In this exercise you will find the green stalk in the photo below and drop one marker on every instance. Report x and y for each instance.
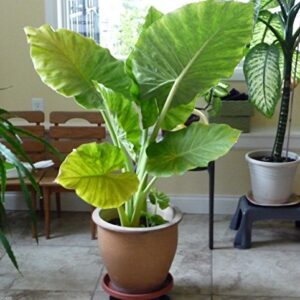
(123, 213)
(114, 137)
(139, 202)
(140, 198)
(123, 217)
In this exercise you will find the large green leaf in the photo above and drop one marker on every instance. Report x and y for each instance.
(68, 62)
(91, 172)
(262, 72)
(124, 117)
(153, 15)
(149, 110)
(262, 34)
(191, 147)
(195, 46)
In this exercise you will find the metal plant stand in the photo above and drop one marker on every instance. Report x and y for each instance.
(211, 176)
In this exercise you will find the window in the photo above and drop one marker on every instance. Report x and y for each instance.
(82, 16)
(114, 24)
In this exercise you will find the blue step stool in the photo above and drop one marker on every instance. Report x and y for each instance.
(247, 213)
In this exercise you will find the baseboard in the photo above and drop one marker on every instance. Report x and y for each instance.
(197, 204)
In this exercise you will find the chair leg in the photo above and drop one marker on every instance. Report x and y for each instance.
(58, 204)
(41, 207)
(47, 211)
(93, 225)
(33, 226)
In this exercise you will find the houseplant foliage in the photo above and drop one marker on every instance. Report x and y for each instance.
(270, 66)
(12, 154)
(177, 58)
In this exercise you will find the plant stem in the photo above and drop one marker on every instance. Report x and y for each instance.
(116, 142)
(150, 184)
(128, 211)
(284, 110)
(123, 217)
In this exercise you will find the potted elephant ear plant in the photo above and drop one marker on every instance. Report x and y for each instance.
(177, 58)
(272, 71)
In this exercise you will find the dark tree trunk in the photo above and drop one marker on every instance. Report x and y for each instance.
(284, 110)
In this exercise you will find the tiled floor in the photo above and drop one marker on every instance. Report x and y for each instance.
(68, 265)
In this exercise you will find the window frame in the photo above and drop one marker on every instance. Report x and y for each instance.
(55, 8)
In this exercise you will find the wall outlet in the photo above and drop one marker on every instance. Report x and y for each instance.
(37, 104)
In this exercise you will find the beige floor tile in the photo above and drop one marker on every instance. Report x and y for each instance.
(193, 232)
(256, 273)
(42, 295)
(52, 269)
(191, 271)
(252, 298)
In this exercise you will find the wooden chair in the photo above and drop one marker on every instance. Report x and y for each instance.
(31, 121)
(65, 138)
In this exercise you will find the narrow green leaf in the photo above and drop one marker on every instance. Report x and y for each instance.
(14, 142)
(3, 181)
(28, 200)
(262, 72)
(191, 147)
(26, 133)
(7, 247)
(91, 171)
(68, 62)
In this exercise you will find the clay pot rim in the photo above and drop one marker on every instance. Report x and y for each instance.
(177, 217)
(249, 156)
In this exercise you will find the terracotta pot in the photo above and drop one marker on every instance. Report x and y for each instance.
(137, 259)
(271, 182)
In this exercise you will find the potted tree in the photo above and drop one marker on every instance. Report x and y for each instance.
(271, 74)
(177, 57)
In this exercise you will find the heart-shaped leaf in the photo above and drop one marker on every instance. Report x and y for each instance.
(68, 62)
(188, 148)
(91, 171)
(192, 46)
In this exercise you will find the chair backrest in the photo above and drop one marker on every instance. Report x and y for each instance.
(68, 130)
(32, 121)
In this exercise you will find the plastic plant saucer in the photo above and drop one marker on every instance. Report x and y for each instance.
(293, 200)
(108, 288)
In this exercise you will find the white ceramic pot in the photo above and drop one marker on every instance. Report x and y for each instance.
(271, 182)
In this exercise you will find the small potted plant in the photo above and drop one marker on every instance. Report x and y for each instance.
(177, 57)
(229, 107)
(272, 70)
